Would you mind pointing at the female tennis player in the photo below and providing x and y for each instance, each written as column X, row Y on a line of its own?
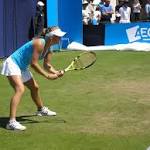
column 15, row 68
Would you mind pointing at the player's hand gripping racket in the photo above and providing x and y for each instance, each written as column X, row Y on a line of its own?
column 82, row 61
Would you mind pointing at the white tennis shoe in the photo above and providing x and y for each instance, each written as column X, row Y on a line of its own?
column 45, row 112
column 14, row 125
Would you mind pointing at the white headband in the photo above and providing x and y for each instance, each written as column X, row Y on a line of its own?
column 58, row 32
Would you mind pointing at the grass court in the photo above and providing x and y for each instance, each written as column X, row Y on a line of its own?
column 104, row 107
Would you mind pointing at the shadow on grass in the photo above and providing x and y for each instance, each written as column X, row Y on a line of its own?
column 29, row 119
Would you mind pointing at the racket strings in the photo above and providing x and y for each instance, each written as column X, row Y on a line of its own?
column 85, row 60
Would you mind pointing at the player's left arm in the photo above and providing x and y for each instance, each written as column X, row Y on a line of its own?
column 49, row 67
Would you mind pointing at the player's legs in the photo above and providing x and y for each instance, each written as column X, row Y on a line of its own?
column 17, row 84
column 13, row 73
column 34, row 90
column 32, row 85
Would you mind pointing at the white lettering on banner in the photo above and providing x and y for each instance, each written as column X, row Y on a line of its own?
column 137, row 33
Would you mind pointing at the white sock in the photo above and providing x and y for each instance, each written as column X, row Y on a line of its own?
column 12, row 120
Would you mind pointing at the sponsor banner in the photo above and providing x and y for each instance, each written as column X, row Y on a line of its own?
column 127, row 33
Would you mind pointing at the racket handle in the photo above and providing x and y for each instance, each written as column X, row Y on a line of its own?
column 65, row 70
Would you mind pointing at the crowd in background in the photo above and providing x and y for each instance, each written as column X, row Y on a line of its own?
column 101, row 11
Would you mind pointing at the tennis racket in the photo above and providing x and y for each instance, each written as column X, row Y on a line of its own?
column 82, row 61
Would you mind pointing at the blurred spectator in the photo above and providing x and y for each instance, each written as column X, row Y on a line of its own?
column 85, row 13
column 96, row 3
column 136, row 9
column 90, row 7
column 39, row 18
column 117, row 14
column 96, row 17
column 125, row 13
column 90, row 10
column 101, row 4
column 107, row 11
column 147, row 10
